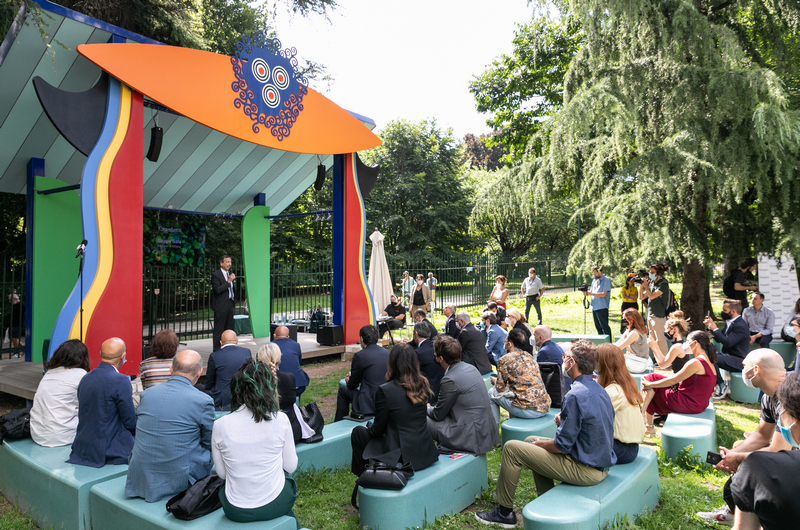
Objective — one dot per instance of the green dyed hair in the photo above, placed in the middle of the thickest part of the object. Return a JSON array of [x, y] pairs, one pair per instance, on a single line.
[[256, 387]]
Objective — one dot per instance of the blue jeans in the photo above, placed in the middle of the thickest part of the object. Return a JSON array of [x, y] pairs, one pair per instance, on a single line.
[[514, 412], [601, 321]]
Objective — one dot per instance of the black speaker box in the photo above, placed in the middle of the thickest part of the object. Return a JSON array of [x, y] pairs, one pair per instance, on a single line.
[[330, 335], [156, 137]]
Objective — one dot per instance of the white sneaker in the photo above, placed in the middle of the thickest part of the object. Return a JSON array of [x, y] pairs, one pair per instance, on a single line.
[[721, 516], [720, 391]]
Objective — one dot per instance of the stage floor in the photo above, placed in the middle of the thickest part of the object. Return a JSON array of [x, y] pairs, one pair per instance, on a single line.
[[20, 378]]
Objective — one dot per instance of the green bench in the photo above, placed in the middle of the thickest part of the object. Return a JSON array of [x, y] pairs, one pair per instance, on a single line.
[[787, 350], [696, 430], [51, 492], [740, 392], [333, 451], [638, 377], [448, 486], [520, 428], [628, 489], [111, 509], [596, 339]]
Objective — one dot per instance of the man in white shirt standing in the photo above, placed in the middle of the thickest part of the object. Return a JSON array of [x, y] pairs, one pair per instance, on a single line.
[[532, 289], [761, 320]]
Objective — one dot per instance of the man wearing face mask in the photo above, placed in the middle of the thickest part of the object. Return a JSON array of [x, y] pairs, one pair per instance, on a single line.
[[764, 489], [450, 326], [763, 369], [532, 289], [655, 289], [735, 340], [600, 291], [106, 417], [398, 313]]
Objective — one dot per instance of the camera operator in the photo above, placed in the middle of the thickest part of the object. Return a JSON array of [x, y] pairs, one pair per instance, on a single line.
[[655, 289], [600, 291]]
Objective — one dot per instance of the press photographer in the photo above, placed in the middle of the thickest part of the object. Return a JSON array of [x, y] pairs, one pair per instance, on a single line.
[[655, 290], [600, 291]]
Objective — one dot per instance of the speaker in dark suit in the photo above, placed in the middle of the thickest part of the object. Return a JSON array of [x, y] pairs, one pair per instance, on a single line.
[[222, 299]]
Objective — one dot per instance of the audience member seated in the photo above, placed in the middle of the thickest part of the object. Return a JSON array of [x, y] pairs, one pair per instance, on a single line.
[[450, 326], [271, 355], [398, 313], [173, 437], [795, 323], [106, 417], [787, 333], [461, 421], [760, 319], [547, 350], [676, 328], [613, 375], [419, 316], [695, 383], [253, 449], [765, 370], [367, 373], [54, 416], [156, 368], [735, 342], [473, 347], [581, 452], [500, 311], [429, 367], [637, 358], [518, 387], [495, 337], [515, 320], [765, 486], [222, 364], [399, 431], [291, 357]]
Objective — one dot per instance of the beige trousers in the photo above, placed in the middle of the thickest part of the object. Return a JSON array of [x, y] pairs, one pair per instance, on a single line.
[[546, 467], [656, 325]]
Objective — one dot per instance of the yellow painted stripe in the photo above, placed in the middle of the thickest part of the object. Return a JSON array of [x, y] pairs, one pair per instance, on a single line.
[[361, 230], [105, 244]]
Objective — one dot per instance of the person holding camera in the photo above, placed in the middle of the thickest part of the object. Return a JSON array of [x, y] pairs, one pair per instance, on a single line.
[[655, 289], [532, 289], [600, 291]]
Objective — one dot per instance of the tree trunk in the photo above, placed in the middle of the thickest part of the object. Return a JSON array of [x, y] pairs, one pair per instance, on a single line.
[[695, 288]]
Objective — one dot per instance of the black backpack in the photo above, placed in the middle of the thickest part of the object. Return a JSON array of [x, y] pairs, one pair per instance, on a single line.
[[15, 425], [672, 304], [728, 286], [554, 382]]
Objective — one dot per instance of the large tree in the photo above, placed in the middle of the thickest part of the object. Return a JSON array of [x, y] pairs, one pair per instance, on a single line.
[[420, 201], [673, 126]]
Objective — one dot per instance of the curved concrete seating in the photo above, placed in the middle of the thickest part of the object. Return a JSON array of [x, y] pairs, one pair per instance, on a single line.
[[519, 428], [739, 391], [111, 509], [51, 492], [448, 486], [596, 339], [629, 489], [487, 379], [333, 451], [638, 377], [787, 350], [682, 430]]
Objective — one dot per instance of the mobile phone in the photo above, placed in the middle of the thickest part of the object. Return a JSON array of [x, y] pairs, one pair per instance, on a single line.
[[713, 458]]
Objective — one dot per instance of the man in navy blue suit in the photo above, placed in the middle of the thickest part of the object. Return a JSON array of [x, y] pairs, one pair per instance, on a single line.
[[429, 367], [547, 350], [291, 356], [106, 417], [222, 364], [735, 342]]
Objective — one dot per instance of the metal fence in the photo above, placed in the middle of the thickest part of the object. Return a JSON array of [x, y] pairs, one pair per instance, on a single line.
[[12, 312], [300, 290]]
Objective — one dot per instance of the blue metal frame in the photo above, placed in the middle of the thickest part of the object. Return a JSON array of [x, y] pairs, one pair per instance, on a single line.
[[337, 289], [35, 169]]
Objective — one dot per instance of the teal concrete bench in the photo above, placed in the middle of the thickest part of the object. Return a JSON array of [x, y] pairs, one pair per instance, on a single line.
[[682, 430], [739, 391], [519, 428], [487, 379], [112, 510], [638, 377], [628, 489], [787, 350], [51, 492], [333, 451], [596, 339], [446, 487]]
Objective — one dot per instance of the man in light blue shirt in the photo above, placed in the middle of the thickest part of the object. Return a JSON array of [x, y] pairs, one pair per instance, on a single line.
[[600, 291], [761, 320]]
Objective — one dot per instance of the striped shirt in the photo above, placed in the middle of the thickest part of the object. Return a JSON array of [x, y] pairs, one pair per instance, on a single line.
[[154, 371]]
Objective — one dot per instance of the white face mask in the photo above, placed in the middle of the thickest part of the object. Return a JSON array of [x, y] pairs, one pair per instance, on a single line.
[[419, 282], [532, 275], [687, 347], [748, 381], [508, 322], [499, 285]]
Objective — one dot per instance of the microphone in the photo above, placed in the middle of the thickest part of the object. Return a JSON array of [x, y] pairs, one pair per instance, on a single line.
[[81, 248]]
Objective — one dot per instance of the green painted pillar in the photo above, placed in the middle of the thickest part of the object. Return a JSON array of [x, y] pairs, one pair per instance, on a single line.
[[256, 254]]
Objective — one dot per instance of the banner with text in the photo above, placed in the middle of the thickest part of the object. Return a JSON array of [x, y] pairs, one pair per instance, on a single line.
[[174, 243]]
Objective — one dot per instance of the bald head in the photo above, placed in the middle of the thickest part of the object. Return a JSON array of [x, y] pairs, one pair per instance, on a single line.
[[228, 337], [543, 332], [281, 332], [112, 351], [188, 364], [767, 369]]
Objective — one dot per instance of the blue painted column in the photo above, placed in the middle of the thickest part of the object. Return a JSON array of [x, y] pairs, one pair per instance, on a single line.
[[337, 287], [35, 169]]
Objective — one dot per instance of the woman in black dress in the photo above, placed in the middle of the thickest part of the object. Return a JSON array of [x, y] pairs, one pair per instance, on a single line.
[[400, 428]]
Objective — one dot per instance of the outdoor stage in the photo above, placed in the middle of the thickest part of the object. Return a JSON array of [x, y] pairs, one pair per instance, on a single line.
[[20, 378]]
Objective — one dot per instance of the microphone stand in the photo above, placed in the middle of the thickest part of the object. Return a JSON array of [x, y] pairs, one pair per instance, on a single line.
[[81, 251]]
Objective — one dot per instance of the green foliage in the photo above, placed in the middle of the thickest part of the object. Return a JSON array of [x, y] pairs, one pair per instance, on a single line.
[[480, 155], [224, 21], [12, 226], [304, 239], [521, 89], [185, 247], [505, 214], [420, 201]]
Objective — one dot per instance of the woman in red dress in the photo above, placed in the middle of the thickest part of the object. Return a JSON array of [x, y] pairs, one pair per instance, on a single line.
[[686, 392]]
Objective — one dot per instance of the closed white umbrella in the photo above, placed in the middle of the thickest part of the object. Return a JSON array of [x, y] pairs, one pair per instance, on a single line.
[[380, 284]]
